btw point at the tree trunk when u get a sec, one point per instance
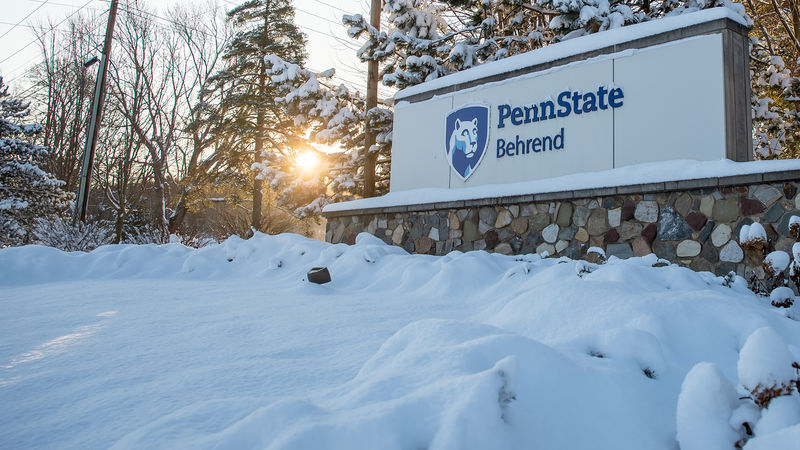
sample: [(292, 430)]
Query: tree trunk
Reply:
[(176, 220), (160, 185), (255, 221), (793, 4), (118, 224)]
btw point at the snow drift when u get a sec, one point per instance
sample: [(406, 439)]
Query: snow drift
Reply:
[(228, 346)]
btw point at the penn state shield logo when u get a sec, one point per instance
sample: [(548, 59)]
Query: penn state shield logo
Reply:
[(466, 136)]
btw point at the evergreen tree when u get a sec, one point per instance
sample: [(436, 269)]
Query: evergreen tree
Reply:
[(254, 128), (573, 18), (333, 115), (27, 192), (429, 39), (775, 69)]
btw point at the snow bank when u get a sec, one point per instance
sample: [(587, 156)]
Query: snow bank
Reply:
[(229, 346), (784, 439), (656, 172), (705, 406)]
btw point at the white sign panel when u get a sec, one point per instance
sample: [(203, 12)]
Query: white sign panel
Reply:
[(654, 104)]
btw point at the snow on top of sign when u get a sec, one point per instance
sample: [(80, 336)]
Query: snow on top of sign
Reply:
[(629, 175), (574, 46)]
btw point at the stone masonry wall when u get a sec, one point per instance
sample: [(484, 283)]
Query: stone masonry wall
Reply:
[(698, 228)]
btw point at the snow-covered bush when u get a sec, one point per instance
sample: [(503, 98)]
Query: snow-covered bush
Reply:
[(753, 237), (192, 239), (794, 227), (584, 267), (61, 233), (766, 367), (781, 297), (775, 263), (794, 266), (595, 255)]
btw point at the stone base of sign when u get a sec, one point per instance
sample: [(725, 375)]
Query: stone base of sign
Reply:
[(694, 223)]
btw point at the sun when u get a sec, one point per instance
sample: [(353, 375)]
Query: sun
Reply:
[(306, 161)]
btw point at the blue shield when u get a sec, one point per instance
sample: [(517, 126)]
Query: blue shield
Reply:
[(466, 136)]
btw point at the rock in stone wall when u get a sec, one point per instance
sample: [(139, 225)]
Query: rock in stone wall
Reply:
[(695, 228)]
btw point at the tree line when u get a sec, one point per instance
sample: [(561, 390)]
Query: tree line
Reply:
[(210, 111)]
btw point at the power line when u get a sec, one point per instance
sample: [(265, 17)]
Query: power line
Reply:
[(55, 53), (318, 16), (332, 6), (22, 94), (23, 19), (51, 29), (137, 11)]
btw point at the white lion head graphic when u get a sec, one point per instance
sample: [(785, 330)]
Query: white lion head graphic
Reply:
[(464, 138)]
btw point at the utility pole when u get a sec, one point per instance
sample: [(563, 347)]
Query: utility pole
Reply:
[(372, 101), (94, 119)]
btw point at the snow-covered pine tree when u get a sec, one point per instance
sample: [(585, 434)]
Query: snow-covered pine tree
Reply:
[(580, 17), (573, 18), (429, 39), (775, 71), (258, 132), (332, 114), (27, 192)]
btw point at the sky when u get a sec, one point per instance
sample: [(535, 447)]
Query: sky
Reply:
[(328, 43)]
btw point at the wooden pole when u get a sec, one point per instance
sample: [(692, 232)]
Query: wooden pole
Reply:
[(372, 101), (82, 202)]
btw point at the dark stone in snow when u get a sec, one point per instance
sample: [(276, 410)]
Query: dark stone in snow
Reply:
[(319, 275), (671, 227)]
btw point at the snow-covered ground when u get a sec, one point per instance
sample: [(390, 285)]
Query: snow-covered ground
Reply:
[(228, 346)]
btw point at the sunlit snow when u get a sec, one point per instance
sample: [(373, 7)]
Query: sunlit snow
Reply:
[(229, 346)]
